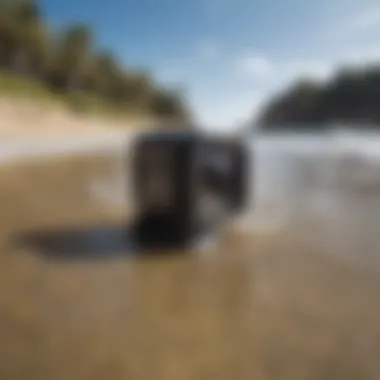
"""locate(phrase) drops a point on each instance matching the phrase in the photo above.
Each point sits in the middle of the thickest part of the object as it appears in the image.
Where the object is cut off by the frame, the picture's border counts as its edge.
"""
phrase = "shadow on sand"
(87, 244)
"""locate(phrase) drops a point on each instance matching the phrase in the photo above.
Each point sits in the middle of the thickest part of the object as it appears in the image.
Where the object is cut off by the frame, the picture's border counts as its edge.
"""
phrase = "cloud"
(277, 72)
(311, 68)
(254, 65)
(256, 68)
(234, 89)
(361, 55)
(368, 20)
(228, 112)
(281, 73)
(353, 21)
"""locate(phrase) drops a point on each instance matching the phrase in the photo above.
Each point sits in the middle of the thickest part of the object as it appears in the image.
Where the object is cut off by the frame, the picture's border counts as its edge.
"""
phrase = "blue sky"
(230, 55)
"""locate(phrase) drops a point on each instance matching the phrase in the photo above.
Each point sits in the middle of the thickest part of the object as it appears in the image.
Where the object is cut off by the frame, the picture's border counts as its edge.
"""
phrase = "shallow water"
(305, 175)
(298, 299)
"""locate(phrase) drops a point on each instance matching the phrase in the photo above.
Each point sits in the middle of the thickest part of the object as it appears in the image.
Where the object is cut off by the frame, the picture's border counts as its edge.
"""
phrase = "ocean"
(298, 174)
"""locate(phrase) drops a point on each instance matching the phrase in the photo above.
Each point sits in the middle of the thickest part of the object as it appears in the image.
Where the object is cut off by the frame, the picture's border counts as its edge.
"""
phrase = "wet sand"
(302, 302)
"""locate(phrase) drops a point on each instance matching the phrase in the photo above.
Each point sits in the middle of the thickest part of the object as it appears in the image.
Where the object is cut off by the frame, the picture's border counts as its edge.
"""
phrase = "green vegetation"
(39, 63)
(352, 96)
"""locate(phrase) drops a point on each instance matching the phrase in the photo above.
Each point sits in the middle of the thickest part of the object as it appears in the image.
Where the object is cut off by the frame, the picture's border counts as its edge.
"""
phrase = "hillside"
(351, 97)
(65, 69)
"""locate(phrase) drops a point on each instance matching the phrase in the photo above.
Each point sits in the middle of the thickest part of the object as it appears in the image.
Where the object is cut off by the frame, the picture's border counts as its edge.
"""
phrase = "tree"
(67, 63)
(25, 28)
(351, 96)
(73, 55)
(168, 105)
(7, 32)
(40, 51)
(103, 74)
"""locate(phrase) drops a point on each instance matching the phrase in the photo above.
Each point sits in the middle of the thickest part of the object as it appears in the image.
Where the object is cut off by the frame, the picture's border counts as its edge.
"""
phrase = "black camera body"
(185, 185)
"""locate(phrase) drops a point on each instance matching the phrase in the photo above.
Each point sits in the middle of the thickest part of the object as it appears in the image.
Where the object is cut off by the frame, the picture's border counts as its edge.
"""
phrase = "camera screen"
(215, 172)
(156, 184)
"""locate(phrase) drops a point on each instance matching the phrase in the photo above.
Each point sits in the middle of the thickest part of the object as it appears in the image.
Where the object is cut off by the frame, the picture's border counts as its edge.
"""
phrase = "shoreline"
(13, 150)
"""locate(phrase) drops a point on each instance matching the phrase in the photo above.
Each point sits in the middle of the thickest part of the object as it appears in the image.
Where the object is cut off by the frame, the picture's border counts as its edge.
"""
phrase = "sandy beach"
(296, 302)
(24, 120)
